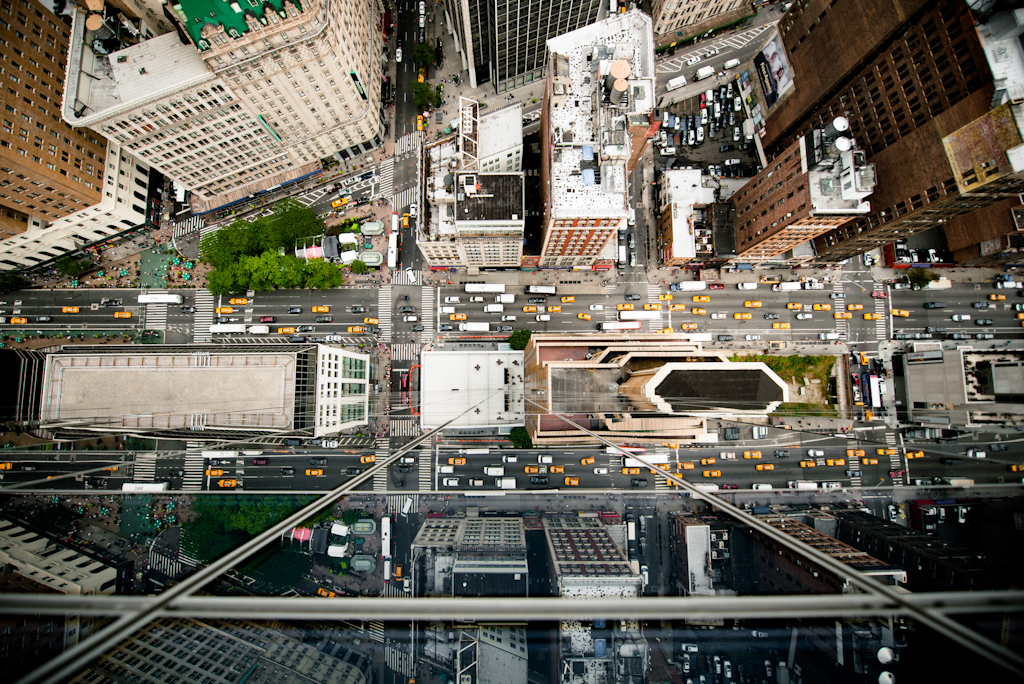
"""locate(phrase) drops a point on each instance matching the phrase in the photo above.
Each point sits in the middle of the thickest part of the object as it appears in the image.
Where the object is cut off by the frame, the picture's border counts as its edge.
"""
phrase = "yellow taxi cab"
(822, 307)
(532, 470)
(665, 331)
(765, 466)
(339, 202)
(8, 466)
(225, 309)
(214, 473)
(872, 317)
(780, 326)
(712, 473)
(367, 459)
(688, 326)
(405, 220)
(854, 307)
(744, 316)
(371, 321)
(915, 454)
(997, 297)
(752, 305)
(456, 317)
(707, 461)
(419, 120)
(583, 317)
(652, 307)
(751, 454)
(685, 465)
(630, 471)
(557, 469)
(572, 481)
(902, 313)
(529, 309)
(568, 300)
(555, 309)
(677, 307)
(323, 592)
(227, 484)
(807, 464)
(842, 315)
(835, 462)
(122, 314)
(19, 321)
(887, 451)
(457, 460)
(699, 312)
(321, 309)
(351, 329)
(286, 331)
(315, 472)
(794, 306)
(863, 359)
(1016, 468)
(1020, 317)
(624, 307)
(69, 309)
(665, 297)
(870, 461)
(422, 76)
(238, 300)
(701, 299)
(854, 453)
(586, 460)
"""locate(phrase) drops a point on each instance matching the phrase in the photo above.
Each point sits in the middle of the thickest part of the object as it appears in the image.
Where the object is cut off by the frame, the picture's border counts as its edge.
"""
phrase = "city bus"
(394, 222)
(485, 287)
(159, 298)
(393, 249)
(541, 289)
(144, 487)
(621, 325)
(225, 328)
(677, 82)
(622, 447)
(639, 315)
(385, 538)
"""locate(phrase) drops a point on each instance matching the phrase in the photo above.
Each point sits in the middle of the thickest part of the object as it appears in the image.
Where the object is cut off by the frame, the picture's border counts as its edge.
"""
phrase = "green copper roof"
(231, 14)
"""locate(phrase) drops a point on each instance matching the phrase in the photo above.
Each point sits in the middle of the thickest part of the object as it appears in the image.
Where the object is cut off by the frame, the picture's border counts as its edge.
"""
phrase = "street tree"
(423, 54)
(322, 274)
(519, 339)
(11, 281)
(520, 438)
(72, 266)
(920, 277)
(422, 96)
(359, 268)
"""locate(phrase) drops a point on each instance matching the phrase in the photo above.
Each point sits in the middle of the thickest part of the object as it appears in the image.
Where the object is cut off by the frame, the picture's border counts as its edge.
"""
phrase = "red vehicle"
(895, 473)
(267, 319)
(703, 104)
(730, 486)
(716, 286)
(259, 461)
(879, 295)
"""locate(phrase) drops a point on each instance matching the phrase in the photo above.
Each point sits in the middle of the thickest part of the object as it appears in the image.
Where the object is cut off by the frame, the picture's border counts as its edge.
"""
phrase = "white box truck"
(622, 254)
(494, 308)
(732, 63)
(802, 484)
(813, 285)
(704, 72)
(259, 329)
(505, 299)
(473, 327)
(505, 482)
(494, 471)
(785, 287)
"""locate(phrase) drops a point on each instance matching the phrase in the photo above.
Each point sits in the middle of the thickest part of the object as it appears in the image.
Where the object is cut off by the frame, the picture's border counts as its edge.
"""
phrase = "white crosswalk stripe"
(402, 199)
(375, 630)
(427, 300)
(193, 224)
(842, 327)
(408, 142)
(384, 313)
(203, 317)
(164, 564)
(383, 180)
(144, 469)
(404, 427)
(194, 470)
(424, 461)
(396, 656)
(880, 323)
(380, 478)
(405, 351)
(406, 277)
(156, 316)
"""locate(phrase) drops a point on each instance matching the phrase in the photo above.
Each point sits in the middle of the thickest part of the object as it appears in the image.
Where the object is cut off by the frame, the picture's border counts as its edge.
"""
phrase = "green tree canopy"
(72, 266)
(11, 281)
(423, 54)
(920, 277)
(321, 275)
(226, 522)
(520, 438)
(422, 96)
(519, 339)
(358, 267)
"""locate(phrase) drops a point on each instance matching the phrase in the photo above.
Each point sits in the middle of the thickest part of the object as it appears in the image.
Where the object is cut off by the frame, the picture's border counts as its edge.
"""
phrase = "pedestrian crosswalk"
(156, 316)
(407, 351)
(202, 319)
(406, 277)
(383, 180)
(402, 199)
(193, 224)
(144, 469)
(880, 322)
(194, 468)
(384, 313)
(408, 142)
(375, 630)
(404, 427)
(396, 654)
(164, 564)
(424, 463)
(427, 301)
(653, 292)
(380, 476)
(842, 327)
(895, 459)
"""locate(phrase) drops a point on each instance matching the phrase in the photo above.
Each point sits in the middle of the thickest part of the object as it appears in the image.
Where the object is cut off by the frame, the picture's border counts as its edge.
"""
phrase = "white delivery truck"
(802, 484)
(494, 308)
(813, 285)
(259, 329)
(505, 482)
(785, 287)
(622, 254)
(828, 336)
(494, 471)
(689, 286)
(505, 299)
(473, 327)
(731, 64)
(704, 72)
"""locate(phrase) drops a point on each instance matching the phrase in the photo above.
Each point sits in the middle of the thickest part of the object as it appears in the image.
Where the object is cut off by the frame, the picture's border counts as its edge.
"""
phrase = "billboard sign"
(773, 70)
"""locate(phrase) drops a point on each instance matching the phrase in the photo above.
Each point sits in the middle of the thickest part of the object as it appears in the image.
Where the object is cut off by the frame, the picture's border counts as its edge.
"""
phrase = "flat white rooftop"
(486, 386)
(685, 191)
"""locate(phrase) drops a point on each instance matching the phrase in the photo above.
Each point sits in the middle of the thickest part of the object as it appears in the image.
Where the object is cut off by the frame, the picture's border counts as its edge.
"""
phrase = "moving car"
(807, 464)
(902, 313)
(842, 315)
(835, 462)
(652, 307)
(742, 316)
(712, 473)
(330, 319)
(624, 307)
(752, 304)
(586, 460)
(780, 326)
(117, 314)
(69, 309)
(529, 309)
(457, 317)
(796, 306)
(822, 307)
(701, 299)
(751, 454)
(370, 458)
(456, 460)
(571, 481)
(314, 472)
(765, 466)
(227, 484)
(224, 310)
(583, 316)
(214, 473)
(568, 300)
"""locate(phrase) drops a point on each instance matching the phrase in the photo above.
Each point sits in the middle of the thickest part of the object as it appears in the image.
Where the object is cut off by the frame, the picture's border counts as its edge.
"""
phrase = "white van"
(632, 217)
(508, 318)
(760, 486)
(451, 300)
(828, 336)
(746, 286)
(496, 471)
(447, 309)
(445, 469)
(543, 317)
(410, 319)
(731, 63)
(543, 459)
(407, 506)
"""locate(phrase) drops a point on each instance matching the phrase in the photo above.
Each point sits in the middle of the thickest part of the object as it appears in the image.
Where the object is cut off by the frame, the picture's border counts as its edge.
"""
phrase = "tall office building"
(503, 42)
(920, 100)
(679, 19)
(595, 124)
(820, 182)
(242, 98)
(47, 169)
